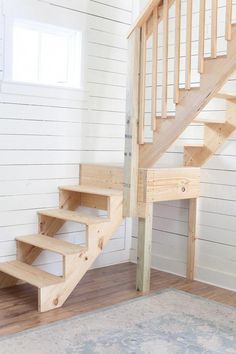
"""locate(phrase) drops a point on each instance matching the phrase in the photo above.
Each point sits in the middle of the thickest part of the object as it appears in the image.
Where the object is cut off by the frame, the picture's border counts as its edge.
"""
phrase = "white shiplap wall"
(216, 245)
(43, 140)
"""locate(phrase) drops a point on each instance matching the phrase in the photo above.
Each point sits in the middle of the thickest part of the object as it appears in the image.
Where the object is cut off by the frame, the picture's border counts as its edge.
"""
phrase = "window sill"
(37, 90)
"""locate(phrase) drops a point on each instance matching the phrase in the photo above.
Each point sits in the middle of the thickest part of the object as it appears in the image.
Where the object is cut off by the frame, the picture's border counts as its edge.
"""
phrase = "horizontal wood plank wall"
(42, 141)
(216, 247)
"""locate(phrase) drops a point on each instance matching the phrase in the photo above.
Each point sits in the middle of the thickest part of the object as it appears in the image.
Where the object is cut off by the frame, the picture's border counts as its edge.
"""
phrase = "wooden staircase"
(131, 191)
(189, 100)
(77, 259)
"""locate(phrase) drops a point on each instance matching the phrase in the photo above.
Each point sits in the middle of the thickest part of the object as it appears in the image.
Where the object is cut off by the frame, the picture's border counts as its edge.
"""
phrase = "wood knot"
(86, 258)
(56, 301)
(101, 243)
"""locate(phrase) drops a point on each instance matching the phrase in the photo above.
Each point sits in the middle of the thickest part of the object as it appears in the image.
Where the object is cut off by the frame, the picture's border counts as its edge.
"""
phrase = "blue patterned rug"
(171, 322)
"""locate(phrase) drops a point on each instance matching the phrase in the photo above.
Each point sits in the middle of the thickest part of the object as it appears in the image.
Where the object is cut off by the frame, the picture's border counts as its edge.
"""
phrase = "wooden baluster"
(228, 20)
(177, 49)
(188, 45)
(214, 8)
(142, 82)
(154, 67)
(165, 58)
(201, 36)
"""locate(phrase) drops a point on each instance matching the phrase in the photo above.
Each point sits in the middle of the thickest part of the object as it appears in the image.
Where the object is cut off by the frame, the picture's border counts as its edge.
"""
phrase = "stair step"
(29, 274)
(51, 244)
(107, 192)
(226, 95)
(223, 56)
(209, 120)
(197, 145)
(68, 215)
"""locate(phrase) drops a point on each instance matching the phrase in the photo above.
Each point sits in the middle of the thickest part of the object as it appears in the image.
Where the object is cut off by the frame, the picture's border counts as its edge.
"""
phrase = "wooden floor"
(99, 288)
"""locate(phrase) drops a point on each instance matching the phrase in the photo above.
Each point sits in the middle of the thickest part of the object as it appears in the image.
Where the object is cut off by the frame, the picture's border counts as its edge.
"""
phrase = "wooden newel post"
(131, 131)
(144, 249)
(192, 226)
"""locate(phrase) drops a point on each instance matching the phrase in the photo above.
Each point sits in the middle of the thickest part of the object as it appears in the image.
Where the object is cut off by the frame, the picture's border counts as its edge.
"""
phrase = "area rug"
(170, 322)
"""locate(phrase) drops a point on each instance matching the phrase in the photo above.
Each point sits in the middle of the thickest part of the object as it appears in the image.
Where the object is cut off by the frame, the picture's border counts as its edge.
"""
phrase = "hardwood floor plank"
(99, 288)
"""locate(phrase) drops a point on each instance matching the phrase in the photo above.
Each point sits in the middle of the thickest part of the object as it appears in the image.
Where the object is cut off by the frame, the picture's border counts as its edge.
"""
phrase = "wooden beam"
(144, 248)
(156, 185)
(154, 68)
(192, 224)
(104, 176)
(188, 45)
(165, 58)
(201, 45)
(142, 92)
(131, 135)
(177, 49)
(214, 13)
(228, 20)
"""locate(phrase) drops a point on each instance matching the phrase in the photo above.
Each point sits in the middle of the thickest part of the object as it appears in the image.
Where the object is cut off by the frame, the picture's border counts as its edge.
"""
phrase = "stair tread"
(226, 95)
(209, 120)
(75, 216)
(51, 244)
(29, 274)
(93, 190)
(194, 145)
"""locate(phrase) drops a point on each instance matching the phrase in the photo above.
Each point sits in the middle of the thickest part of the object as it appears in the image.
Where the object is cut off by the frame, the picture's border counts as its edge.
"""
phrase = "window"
(47, 55)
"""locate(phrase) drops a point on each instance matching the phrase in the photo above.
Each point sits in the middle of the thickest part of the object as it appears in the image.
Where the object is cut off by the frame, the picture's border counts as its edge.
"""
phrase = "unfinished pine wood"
(107, 192)
(228, 20)
(226, 95)
(201, 44)
(104, 176)
(98, 235)
(144, 249)
(157, 185)
(192, 225)
(177, 49)
(214, 13)
(154, 67)
(145, 15)
(142, 94)
(216, 73)
(30, 274)
(68, 215)
(130, 176)
(188, 45)
(165, 58)
(51, 244)
(214, 137)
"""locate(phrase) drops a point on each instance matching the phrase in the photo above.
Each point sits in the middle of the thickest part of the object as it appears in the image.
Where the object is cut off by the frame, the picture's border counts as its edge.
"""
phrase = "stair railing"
(156, 16)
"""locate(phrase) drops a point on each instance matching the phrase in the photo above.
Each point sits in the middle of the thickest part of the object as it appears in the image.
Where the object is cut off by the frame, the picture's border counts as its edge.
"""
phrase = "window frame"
(36, 15)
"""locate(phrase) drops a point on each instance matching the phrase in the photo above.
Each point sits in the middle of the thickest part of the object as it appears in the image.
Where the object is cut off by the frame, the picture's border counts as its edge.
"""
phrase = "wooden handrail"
(146, 13)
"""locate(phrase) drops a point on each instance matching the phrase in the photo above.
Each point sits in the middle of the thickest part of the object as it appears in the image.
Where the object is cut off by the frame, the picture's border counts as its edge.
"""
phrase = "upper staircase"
(131, 191)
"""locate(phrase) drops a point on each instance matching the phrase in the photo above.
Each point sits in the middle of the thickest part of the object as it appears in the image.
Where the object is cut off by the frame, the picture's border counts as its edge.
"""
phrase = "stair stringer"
(6, 281)
(215, 137)
(54, 296)
(217, 71)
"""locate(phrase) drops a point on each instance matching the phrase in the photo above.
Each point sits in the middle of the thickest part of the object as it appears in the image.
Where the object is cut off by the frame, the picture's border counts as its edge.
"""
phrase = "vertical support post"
(131, 132)
(192, 226)
(144, 249)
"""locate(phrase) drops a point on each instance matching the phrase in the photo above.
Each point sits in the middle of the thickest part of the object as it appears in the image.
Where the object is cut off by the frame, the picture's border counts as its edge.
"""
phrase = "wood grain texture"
(99, 288)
